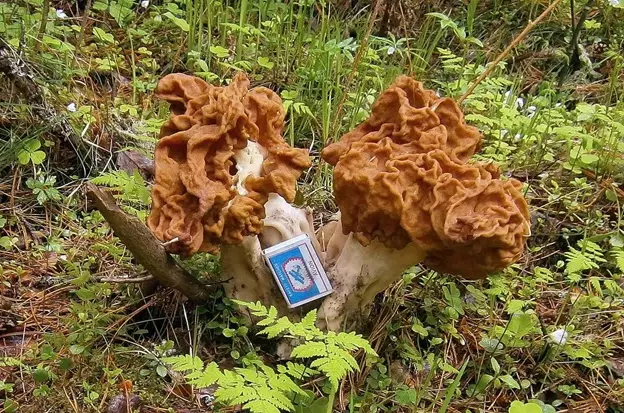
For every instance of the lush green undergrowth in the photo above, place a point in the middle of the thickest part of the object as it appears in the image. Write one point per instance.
(544, 336)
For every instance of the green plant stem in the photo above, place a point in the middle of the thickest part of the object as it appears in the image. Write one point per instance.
(330, 401)
(242, 20)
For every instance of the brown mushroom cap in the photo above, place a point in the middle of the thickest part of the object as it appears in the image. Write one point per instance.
(401, 177)
(195, 164)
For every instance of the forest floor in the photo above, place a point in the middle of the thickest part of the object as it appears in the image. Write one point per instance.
(84, 328)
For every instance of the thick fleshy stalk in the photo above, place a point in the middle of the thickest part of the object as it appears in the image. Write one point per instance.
(358, 273)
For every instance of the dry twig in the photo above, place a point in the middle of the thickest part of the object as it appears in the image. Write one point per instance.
(508, 50)
(147, 250)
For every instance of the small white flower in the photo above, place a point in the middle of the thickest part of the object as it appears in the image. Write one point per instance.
(531, 111)
(145, 3)
(559, 336)
(60, 14)
(391, 50)
(507, 96)
(503, 132)
(518, 136)
(63, 257)
(71, 107)
(519, 103)
(614, 2)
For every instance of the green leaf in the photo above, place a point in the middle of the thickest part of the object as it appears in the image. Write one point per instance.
(7, 242)
(509, 381)
(279, 327)
(40, 375)
(10, 406)
(66, 363)
(317, 406)
(406, 397)
(32, 145)
(23, 157)
(265, 62)
(261, 406)
(219, 51)
(184, 362)
(161, 370)
(589, 158)
(309, 320)
(521, 324)
(417, 327)
(76, 349)
(181, 23)
(520, 407)
(495, 365)
(102, 35)
(515, 306)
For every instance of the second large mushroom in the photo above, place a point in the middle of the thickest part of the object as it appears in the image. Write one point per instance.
(407, 195)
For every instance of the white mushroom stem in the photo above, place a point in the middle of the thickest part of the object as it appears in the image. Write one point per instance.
(358, 273)
(248, 163)
(243, 265)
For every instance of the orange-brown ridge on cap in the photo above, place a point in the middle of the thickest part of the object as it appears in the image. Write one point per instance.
(401, 176)
(193, 198)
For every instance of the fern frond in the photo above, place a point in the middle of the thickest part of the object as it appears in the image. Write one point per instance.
(587, 258)
(309, 320)
(132, 188)
(618, 255)
(247, 394)
(475, 117)
(334, 368)
(209, 376)
(276, 398)
(352, 341)
(261, 406)
(276, 329)
(310, 349)
(335, 352)
(256, 308)
(228, 394)
(284, 384)
(251, 376)
(184, 362)
(297, 370)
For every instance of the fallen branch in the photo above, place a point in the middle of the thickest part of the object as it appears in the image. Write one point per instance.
(508, 50)
(147, 250)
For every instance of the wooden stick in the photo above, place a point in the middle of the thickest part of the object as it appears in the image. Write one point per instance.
(509, 48)
(148, 251)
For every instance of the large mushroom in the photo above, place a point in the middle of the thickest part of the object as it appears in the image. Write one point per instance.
(406, 195)
(402, 181)
(223, 171)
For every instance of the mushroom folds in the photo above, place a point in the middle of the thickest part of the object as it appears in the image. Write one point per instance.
(219, 157)
(401, 177)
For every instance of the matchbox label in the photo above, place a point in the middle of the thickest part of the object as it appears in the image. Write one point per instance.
(298, 272)
(299, 278)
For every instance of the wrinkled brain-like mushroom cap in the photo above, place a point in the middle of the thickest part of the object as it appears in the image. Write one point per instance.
(401, 177)
(219, 157)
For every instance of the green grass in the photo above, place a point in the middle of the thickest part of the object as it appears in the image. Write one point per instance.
(444, 344)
